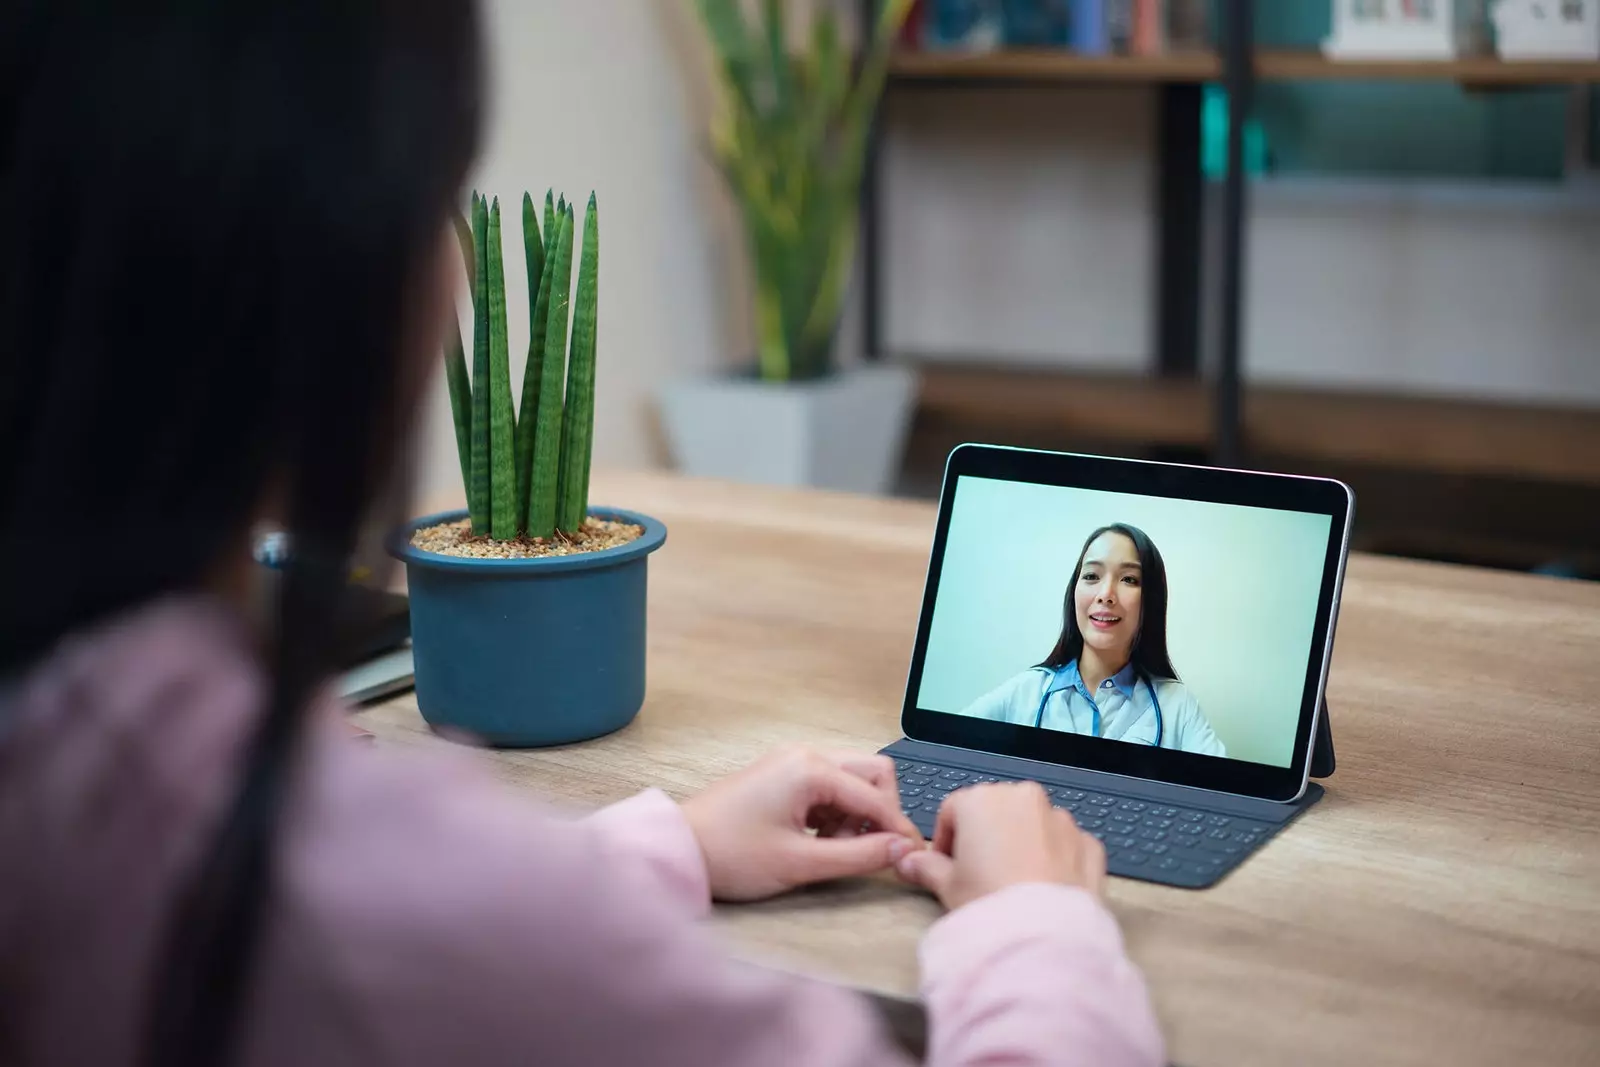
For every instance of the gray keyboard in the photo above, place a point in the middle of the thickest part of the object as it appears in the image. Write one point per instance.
(1144, 839)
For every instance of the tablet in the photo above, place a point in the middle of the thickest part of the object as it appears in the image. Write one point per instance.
(1199, 604)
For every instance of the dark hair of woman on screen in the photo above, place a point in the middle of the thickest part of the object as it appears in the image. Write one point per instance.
(1109, 674)
(224, 236)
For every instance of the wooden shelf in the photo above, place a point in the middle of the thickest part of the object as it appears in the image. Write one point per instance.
(1459, 436)
(1477, 70)
(1057, 65)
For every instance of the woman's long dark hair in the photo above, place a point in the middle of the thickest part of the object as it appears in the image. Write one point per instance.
(1150, 658)
(216, 222)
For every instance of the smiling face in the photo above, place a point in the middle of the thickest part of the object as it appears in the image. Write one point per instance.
(1108, 598)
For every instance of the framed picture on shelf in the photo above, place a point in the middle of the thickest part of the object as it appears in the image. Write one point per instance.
(1392, 29)
(1547, 29)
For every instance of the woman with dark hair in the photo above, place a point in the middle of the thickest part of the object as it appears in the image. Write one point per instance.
(225, 258)
(1109, 674)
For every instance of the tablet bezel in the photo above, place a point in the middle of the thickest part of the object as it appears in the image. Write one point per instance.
(1320, 496)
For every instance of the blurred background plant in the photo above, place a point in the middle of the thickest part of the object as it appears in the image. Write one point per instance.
(791, 140)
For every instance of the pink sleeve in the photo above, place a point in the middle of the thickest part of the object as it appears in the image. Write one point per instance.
(649, 829)
(1035, 974)
(454, 922)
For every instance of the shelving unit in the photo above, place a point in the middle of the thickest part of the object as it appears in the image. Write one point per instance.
(1178, 79)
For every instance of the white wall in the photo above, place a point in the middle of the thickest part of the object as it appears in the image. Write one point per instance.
(592, 94)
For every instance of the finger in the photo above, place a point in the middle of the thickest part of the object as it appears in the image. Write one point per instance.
(868, 766)
(821, 859)
(928, 869)
(944, 827)
(877, 771)
(831, 785)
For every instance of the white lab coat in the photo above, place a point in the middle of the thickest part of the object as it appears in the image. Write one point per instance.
(1121, 710)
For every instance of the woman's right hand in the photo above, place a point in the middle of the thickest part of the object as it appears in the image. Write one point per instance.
(989, 837)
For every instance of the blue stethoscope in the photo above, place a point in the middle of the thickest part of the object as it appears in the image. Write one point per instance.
(1155, 703)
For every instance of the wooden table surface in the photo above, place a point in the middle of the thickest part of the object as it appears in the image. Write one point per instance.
(1441, 906)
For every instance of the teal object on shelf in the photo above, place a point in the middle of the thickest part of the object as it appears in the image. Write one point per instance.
(1214, 138)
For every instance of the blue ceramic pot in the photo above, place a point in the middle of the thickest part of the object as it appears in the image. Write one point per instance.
(529, 652)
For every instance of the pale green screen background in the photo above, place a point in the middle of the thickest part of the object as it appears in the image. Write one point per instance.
(1242, 603)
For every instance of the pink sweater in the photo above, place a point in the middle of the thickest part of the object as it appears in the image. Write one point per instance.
(428, 916)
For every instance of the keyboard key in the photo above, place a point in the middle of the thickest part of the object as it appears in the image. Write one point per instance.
(1229, 848)
(1133, 859)
(931, 807)
(1169, 863)
(954, 776)
(1186, 841)
(1248, 837)
(1100, 801)
(1207, 868)
(1098, 835)
(1157, 824)
(1121, 842)
(1219, 820)
(909, 791)
(1155, 848)
(1192, 816)
(925, 768)
(1164, 813)
(914, 779)
(1219, 835)
(1070, 795)
(1091, 823)
(1153, 835)
(1133, 805)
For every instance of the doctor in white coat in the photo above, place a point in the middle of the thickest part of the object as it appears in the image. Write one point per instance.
(1109, 674)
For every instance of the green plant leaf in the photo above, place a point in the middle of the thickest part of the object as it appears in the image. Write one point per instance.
(478, 490)
(455, 376)
(730, 38)
(469, 256)
(577, 429)
(547, 433)
(532, 369)
(778, 58)
(504, 520)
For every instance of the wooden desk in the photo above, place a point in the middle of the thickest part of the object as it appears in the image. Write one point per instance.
(1440, 906)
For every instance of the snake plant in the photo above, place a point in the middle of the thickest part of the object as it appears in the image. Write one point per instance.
(526, 468)
(791, 141)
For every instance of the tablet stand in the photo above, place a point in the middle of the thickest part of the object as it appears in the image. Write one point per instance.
(1322, 746)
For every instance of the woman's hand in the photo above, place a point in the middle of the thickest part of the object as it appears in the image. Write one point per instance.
(989, 837)
(753, 826)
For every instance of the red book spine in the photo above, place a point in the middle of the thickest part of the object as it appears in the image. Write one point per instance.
(1149, 27)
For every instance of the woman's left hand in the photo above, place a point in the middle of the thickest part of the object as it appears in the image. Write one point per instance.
(754, 826)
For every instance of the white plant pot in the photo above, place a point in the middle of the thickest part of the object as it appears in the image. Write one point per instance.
(845, 432)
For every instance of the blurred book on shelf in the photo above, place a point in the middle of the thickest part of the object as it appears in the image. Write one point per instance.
(1085, 27)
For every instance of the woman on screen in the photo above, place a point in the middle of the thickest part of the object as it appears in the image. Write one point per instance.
(1109, 674)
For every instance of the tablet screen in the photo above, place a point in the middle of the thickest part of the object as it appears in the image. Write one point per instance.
(1182, 624)
(1165, 622)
